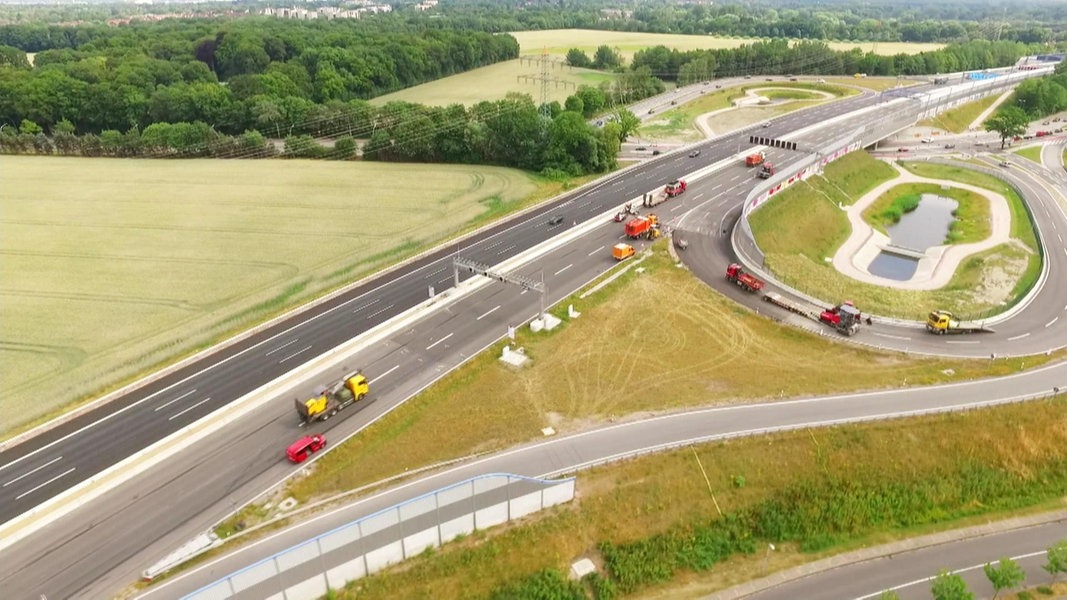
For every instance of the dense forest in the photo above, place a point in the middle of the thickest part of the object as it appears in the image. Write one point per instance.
(225, 87)
(872, 20)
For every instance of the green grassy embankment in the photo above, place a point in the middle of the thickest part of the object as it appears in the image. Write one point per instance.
(959, 119)
(1021, 228)
(816, 228)
(1032, 153)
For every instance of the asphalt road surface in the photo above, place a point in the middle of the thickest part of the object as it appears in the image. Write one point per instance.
(101, 547)
(907, 573)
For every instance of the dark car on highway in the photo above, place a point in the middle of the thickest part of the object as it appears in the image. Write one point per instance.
(694, 154)
(556, 220)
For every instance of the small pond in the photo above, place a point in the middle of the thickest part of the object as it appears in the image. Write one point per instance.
(922, 228)
(925, 226)
(892, 266)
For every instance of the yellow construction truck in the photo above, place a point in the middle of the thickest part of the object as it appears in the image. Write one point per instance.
(330, 401)
(942, 322)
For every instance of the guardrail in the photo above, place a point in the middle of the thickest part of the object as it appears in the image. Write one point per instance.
(1055, 392)
(310, 569)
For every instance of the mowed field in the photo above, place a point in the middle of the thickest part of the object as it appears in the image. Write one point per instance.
(108, 267)
(495, 82)
(559, 41)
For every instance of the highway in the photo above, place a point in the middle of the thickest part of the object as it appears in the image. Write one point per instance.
(49, 463)
(91, 552)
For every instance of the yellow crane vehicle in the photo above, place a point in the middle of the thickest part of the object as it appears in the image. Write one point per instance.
(351, 389)
(942, 322)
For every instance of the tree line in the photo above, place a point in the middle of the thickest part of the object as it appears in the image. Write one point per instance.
(512, 132)
(118, 78)
(777, 57)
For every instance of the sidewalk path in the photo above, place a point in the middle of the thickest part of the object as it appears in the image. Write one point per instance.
(936, 269)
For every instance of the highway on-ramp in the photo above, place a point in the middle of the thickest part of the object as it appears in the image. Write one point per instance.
(91, 552)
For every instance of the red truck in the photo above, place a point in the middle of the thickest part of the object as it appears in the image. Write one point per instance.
(641, 226)
(755, 160)
(675, 188)
(748, 282)
(766, 171)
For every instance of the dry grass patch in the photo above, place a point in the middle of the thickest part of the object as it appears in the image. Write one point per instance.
(700, 351)
(113, 267)
(559, 41)
(644, 497)
(680, 123)
(493, 83)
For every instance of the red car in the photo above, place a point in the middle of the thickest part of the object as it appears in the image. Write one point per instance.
(299, 450)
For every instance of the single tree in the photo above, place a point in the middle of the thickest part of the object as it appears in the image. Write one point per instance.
(1057, 559)
(1009, 122)
(578, 58)
(1005, 575)
(950, 586)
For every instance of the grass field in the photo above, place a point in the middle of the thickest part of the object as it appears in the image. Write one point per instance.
(493, 83)
(1032, 153)
(972, 213)
(680, 123)
(559, 41)
(670, 494)
(796, 253)
(111, 266)
(959, 119)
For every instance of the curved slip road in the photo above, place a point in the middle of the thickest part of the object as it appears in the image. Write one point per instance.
(104, 545)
